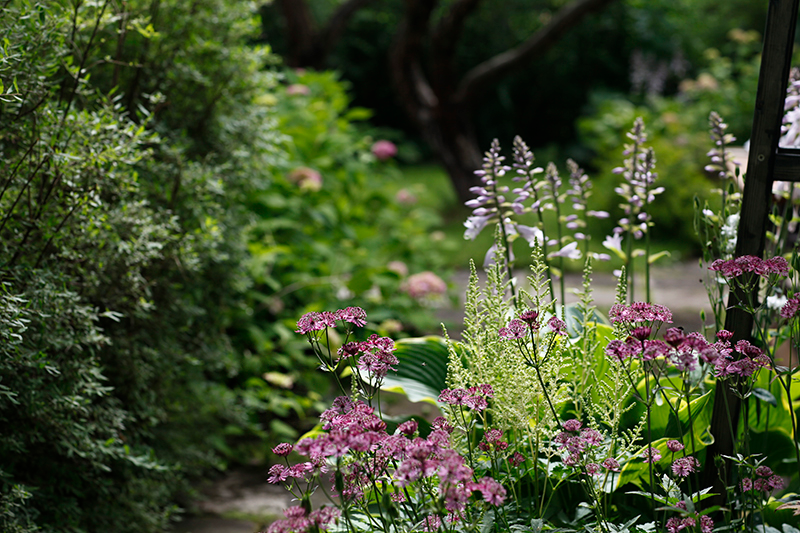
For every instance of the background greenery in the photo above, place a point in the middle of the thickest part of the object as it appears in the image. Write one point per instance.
(158, 239)
(156, 252)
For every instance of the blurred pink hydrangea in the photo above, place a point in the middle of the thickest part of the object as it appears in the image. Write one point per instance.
(424, 284)
(403, 196)
(306, 178)
(298, 89)
(384, 149)
(398, 267)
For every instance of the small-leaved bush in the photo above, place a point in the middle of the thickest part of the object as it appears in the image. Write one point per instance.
(155, 231)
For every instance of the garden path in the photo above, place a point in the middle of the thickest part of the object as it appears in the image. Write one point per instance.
(237, 502)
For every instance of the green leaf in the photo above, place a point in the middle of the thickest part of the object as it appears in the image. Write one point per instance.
(765, 396)
(421, 370)
(655, 257)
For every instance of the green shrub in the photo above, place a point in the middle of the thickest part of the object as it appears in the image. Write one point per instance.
(153, 246)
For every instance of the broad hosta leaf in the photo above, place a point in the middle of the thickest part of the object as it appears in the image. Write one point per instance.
(421, 370)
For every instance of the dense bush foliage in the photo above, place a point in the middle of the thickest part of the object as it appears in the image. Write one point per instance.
(153, 234)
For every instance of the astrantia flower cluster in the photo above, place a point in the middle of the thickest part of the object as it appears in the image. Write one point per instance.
(364, 453)
(311, 322)
(582, 446)
(474, 398)
(791, 307)
(297, 521)
(737, 266)
(748, 361)
(764, 481)
(689, 522)
(639, 314)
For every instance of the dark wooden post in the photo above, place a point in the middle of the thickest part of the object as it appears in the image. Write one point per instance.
(766, 163)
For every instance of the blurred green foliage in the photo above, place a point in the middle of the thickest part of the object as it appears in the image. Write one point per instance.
(677, 128)
(156, 246)
(541, 102)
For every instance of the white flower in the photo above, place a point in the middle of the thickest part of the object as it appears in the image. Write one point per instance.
(474, 225)
(776, 301)
(729, 232)
(569, 251)
(531, 234)
(614, 243)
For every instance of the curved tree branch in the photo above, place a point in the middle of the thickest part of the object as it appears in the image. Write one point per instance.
(491, 70)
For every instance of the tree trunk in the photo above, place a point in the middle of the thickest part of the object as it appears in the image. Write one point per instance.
(451, 135)
(440, 106)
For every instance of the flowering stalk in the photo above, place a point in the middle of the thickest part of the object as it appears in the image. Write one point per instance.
(638, 193)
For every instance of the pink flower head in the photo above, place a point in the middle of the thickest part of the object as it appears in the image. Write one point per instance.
(283, 449)
(531, 318)
(674, 337)
(611, 464)
(724, 335)
(324, 516)
(747, 484)
(441, 423)
(307, 179)
(353, 315)
(622, 350)
(384, 150)
(408, 428)
(775, 482)
(557, 326)
(298, 89)
(516, 329)
(424, 284)
(314, 322)
(684, 466)
(493, 492)
(641, 332)
(431, 523)
(763, 471)
(516, 459)
(674, 446)
(593, 469)
(791, 307)
(277, 473)
(571, 425)
(651, 455)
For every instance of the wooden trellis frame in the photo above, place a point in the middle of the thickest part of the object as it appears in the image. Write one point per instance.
(767, 163)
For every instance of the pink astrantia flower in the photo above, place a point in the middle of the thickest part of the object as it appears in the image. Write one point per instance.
(611, 464)
(790, 308)
(737, 266)
(683, 466)
(516, 459)
(651, 455)
(557, 326)
(283, 449)
(674, 446)
(353, 315)
(516, 329)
